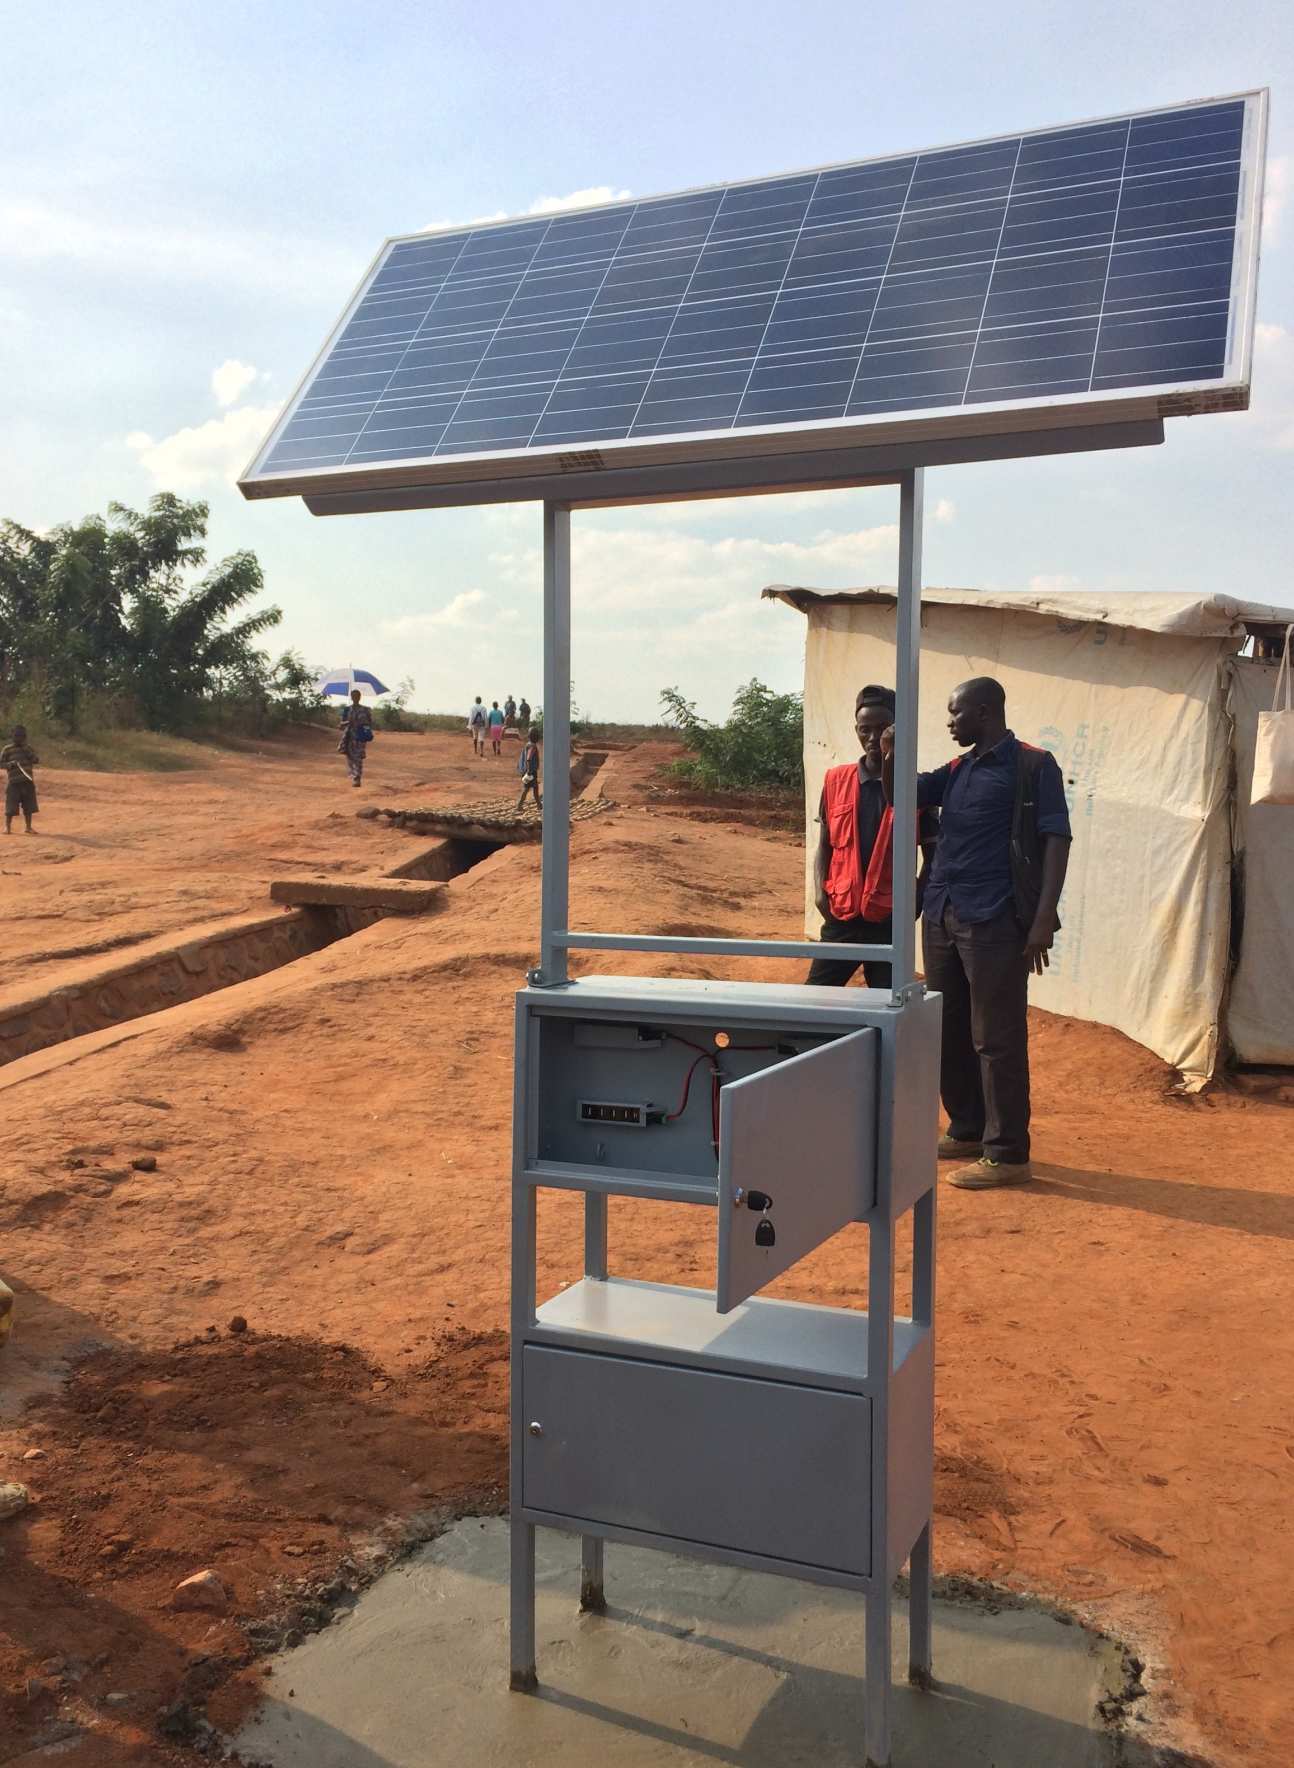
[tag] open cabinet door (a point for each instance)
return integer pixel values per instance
(802, 1133)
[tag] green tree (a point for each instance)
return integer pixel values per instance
(761, 745)
(115, 608)
(180, 639)
(256, 695)
(393, 708)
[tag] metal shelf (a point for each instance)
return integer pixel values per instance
(618, 1181)
(661, 1322)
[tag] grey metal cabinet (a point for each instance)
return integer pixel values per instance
(602, 1446)
(779, 1435)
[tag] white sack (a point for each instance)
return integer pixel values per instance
(1136, 722)
(1273, 781)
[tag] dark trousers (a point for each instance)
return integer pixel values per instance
(979, 969)
(836, 972)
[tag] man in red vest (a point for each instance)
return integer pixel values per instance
(851, 817)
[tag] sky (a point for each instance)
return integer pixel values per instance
(189, 195)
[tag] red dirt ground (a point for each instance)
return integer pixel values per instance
(1116, 1347)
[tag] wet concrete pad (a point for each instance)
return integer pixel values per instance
(693, 1664)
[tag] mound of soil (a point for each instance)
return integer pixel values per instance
(290, 1468)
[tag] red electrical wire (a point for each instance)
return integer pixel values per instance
(705, 1056)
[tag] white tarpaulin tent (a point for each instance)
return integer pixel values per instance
(1151, 714)
(1260, 1010)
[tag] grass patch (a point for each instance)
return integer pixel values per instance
(122, 751)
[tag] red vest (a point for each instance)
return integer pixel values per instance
(847, 872)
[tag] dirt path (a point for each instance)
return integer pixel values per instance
(120, 858)
(332, 1166)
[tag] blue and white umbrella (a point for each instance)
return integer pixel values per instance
(343, 682)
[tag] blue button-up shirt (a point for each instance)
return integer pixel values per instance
(972, 863)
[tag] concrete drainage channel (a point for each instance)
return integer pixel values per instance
(164, 972)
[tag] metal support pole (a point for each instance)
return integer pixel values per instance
(554, 912)
(523, 1675)
(732, 948)
(876, 1716)
(592, 1593)
(907, 651)
(919, 1595)
(920, 1563)
(880, 1369)
(923, 1260)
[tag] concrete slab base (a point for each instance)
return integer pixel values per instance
(692, 1664)
(397, 895)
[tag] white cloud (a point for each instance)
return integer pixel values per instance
(1274, 381)
(1276, 187)
(231, 380)
(945, 511)
(784, 506)
(589, 198)
(33, 232)
(660, 574)
(1270, 418)
(204, 453)
(468, 610)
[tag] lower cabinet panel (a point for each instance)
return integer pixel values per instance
(725, 1460)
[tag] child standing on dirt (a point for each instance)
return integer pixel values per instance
(18, 758)
(496, 727)
(528, 768)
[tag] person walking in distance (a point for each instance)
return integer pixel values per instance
(528, 768)
(989, 921)
(18, 759)
(523, 713)
(356, 735)
(494, 718)
(476, 725)
(855, 898)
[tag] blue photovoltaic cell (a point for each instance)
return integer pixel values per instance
(1081, 260)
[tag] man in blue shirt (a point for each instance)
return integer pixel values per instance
(989, 920)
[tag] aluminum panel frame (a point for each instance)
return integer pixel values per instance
(1230, 391)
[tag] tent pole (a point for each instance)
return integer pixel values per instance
(907, 652)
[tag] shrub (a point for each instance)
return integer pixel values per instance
(393, 713)
(761, 745)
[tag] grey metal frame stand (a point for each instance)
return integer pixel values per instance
(635, 1406)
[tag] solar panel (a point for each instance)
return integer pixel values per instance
(1106, 269)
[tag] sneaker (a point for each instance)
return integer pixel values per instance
(951, 1149)
(985, 1174)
